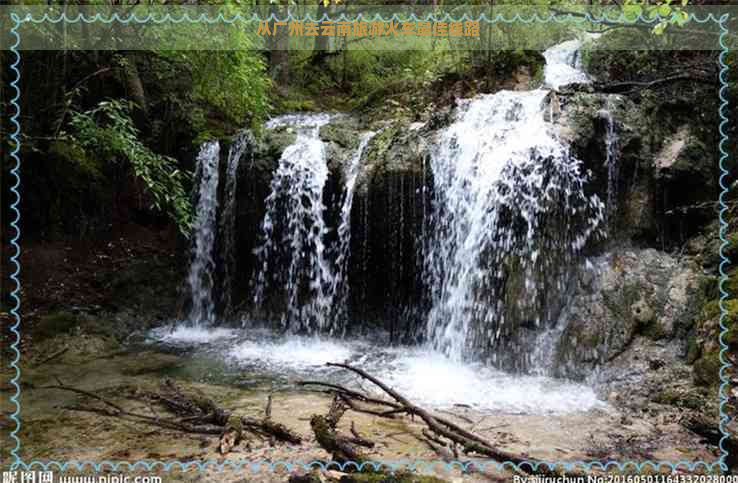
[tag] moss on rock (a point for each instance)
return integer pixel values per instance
(273, 142)
(689, 399)
(341, 134)
(706, 369)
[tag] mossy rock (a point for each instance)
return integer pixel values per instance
(54, 324)
(275, 141)
(296, 105)
(693, 350)
(706, 370)
(507, 61)
(680, 399)
(337, 132)
(653, 330)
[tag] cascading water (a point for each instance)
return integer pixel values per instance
(509, 216)
(611, 160)
(340, 283)
(564, 65)
(228, 217)
(200, 277)
(506, 216)
(292, 254)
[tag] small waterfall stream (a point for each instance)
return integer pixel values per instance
(611, 160)
(340, 283)
(509, 217)
(292, 255)
(564, 65)
(200, 278)
(228, 217)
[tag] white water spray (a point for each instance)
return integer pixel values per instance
(509, 211)
(340, 282)
(200, 277)
(564, 65)
(292, 253)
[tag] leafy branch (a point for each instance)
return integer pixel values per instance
(108, 131)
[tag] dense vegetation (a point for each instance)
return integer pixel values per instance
(151, 108)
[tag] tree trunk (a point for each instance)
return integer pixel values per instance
(135, 88)
(279, 55)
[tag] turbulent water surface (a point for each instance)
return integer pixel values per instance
(247, 357)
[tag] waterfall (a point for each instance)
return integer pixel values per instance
(228, 217)
(292, 256)
(200, 277)
(340, 282)
(564, 65)
(611, 160)
(509, 215)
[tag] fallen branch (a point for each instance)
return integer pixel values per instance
(349, 392)
(360, 409)
(120, 412)
(270, 428)
(194, 419)
(229, 439)
(142, 418)
(359, 439)
(340, 448)
(439, 447)
(470, 442)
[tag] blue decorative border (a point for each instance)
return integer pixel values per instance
(257, 466)
(724, 261)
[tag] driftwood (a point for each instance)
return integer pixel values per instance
(350, 393)
(229, 439)
(268, 427)
(359, 439)
(341, 447)
(195, 414)
(117, 411)
(443, 428)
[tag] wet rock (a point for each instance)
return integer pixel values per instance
(642, 313)
(634, 292)
(388, 216)
(398, 149)
(661, 175)
(273, 142)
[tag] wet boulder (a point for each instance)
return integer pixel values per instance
(624, 295)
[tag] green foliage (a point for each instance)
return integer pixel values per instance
(234, 82)
(668, 11)
(109, 131)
